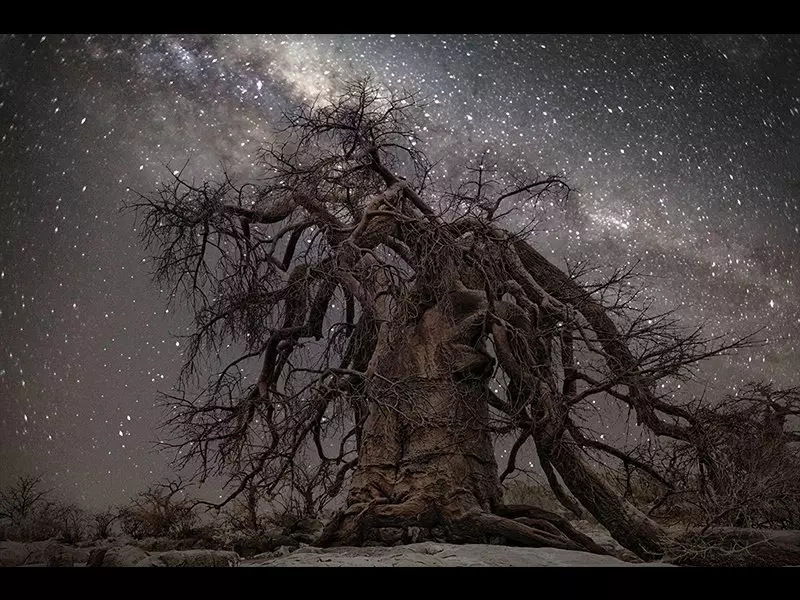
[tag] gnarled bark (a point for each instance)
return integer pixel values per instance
(426, 464)
(435, 290)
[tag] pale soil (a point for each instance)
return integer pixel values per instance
(432, 554)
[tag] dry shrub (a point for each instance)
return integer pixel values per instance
(163, 510)
(30, 514)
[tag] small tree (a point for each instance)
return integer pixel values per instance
(244, 513)
(162, 510)
(22, 498)
(103, 522)
(391, 325)
(70, 521)
(32, 514)
(28, 510)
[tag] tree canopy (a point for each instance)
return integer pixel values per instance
(363, 323)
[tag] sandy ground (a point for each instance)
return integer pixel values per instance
(431, 554)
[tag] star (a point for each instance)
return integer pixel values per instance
(682, 150)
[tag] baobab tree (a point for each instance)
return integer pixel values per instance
(398, 323)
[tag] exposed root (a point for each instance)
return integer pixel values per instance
(378, 522)
(540, 524)
(353, 526)
(491, 525)
(522, 511)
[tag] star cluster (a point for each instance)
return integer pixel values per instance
(683, 150)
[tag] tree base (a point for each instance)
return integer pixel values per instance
(381, 523)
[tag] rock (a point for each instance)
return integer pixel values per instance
(153, 560)
(191, 558)
(123, 556)
(282, 551)
(15, 554)
(59, 555)
(195, 543)
(96, 556)
(496, 540)
(123, 540)
(252, 545)
(158, 544)
(49, 552)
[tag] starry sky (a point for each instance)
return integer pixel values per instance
(684, 150)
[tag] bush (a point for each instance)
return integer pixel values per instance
(161, 511)
(29, 514)
(72, 523)
(244, 514)
(103, 521)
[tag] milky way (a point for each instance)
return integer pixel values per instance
(683, 149)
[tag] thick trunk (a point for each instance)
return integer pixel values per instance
(426, 456)
(429, 438)
(426, 465)
(427, 469)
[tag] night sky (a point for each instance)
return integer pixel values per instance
(684, 149)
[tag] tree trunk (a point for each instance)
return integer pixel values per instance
(627, 524)
(426, 457)
(426, 463)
